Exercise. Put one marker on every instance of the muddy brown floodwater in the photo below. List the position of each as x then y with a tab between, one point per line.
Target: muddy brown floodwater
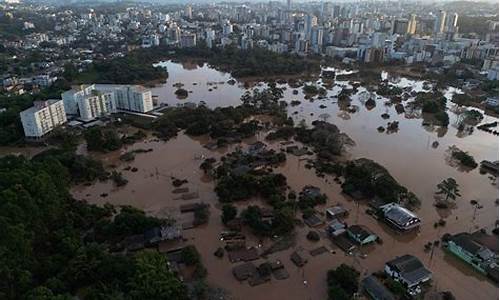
407	154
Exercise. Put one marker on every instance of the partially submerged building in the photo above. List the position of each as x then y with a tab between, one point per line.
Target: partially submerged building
361	234
336	228
400	217
409	271
336	212
470	249
156	235
375	289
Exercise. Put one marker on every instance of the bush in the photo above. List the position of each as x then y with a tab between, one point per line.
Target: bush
342	282
464	158
201	214
181	93
313	236
443	118
118	178
190	255
229	212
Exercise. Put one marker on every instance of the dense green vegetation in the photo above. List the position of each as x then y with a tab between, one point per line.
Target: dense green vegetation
219	122
326	139
386	89
103	140
464	158
191	257
285	133
254	62
137	66
449	188
53	246
434	104
311	89
310	196
229	212
222	123
237	181
79	168
373	180
131	69
12	26
342	282
243	175
280	223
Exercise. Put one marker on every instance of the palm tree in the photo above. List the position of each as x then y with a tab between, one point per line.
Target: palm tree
449	188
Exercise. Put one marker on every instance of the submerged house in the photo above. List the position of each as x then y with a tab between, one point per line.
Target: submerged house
400	217
336	228
469	248
361	234
336	212
409	271
156	235
375	289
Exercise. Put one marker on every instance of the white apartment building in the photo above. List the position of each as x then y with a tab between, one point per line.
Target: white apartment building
42	117
93	101
133	98
96	105
88	103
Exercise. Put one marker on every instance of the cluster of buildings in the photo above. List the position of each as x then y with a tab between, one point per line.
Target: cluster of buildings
367	32
478	249
84	103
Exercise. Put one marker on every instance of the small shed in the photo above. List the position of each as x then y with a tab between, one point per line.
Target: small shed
337	211
298	258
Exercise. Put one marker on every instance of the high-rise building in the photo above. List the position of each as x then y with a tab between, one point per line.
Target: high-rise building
452	23
302	46
400	26
210	37
42	118
96	105
93	101
188	11
336	11
227	28
440	22
412	26
289	4
133	98
309	22
174	33
317	38
188	40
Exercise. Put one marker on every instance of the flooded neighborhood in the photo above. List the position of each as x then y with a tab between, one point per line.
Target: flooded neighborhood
420	163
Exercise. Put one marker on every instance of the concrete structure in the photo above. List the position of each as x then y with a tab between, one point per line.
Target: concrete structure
188	40
42	118
440	22
133	98
89	102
